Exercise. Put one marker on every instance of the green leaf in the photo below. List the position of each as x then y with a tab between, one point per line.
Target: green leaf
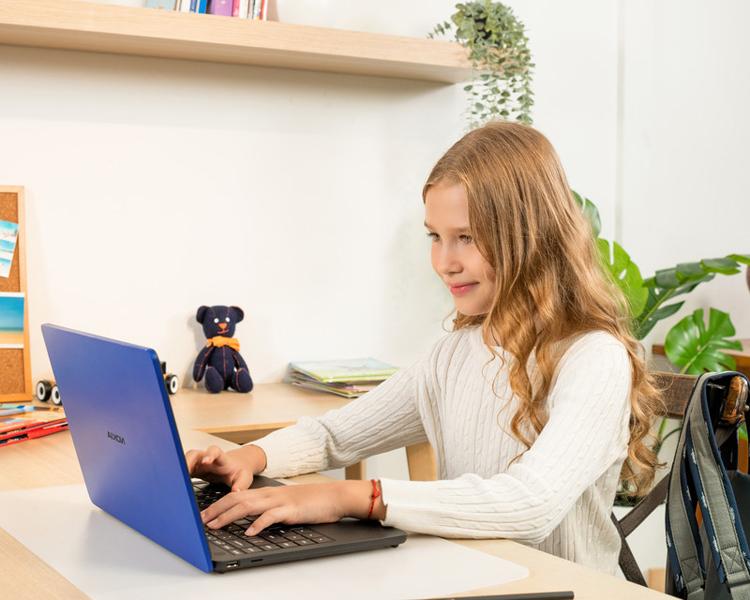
667	278
725	266
692	270
696	348
589	211
667	311
625	273
643	326
740	258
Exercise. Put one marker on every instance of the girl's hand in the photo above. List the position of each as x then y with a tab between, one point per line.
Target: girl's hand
291	505
216	466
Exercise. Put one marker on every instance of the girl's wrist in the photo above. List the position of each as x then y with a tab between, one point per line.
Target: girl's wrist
252	456
358	495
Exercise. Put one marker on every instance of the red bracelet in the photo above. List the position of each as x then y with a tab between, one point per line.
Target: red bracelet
375	495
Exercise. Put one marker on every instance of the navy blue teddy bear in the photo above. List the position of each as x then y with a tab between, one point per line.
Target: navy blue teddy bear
220	360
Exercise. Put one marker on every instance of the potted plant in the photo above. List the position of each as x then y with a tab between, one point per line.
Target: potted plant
498	50
691	345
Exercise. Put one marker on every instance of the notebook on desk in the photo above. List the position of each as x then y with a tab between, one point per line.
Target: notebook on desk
134	466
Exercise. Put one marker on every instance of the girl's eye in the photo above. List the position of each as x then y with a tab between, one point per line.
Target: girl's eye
216	320
432	236
227	319
466	239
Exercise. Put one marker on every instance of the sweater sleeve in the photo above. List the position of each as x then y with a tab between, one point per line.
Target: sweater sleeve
586	433
383	419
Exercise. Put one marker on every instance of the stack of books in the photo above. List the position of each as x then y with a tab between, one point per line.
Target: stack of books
347	378
18	424
245	9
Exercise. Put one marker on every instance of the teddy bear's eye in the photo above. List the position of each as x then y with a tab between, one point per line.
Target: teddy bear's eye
216	320
227	319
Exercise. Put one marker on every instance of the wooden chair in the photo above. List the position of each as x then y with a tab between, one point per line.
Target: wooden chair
677	391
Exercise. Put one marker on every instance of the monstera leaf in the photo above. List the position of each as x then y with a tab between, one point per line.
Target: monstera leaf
696	348
589	211
626	274
677	281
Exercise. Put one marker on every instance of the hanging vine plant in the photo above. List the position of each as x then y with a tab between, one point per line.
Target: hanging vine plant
498	50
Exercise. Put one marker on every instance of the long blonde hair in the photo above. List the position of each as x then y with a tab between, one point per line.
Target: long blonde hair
550	283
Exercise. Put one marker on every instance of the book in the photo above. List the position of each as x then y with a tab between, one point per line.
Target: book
346	390
29	425
32	432
344	371
221	7
163	4
244	8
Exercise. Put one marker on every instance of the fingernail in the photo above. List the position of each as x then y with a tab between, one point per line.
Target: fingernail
212	524
250	531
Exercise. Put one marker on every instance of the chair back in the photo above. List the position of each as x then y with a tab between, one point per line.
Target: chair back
677	390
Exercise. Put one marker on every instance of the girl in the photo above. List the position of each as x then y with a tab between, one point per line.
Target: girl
536	405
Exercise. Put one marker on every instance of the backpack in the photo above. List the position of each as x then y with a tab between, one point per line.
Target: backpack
708	497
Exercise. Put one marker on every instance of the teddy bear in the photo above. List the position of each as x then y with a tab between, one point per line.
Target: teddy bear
220	360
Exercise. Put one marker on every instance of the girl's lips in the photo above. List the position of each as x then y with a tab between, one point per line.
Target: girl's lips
460	290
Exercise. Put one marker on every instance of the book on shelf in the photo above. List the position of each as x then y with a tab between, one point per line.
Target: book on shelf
220	7
347	378
163	4
244	9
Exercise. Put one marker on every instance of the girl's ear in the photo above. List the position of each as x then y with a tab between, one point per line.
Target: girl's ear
238	313
201	314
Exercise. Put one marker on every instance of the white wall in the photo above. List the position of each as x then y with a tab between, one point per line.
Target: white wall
683	194
154	186
685	159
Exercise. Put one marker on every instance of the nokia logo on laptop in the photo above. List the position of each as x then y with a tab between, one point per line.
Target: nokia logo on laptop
118	438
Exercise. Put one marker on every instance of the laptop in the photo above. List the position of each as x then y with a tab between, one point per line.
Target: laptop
134	467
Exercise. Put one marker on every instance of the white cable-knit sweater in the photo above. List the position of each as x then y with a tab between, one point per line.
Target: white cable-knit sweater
556	497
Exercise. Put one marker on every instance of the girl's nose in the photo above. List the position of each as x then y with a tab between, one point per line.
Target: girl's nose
448	262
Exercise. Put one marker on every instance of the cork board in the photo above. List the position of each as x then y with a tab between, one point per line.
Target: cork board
15	365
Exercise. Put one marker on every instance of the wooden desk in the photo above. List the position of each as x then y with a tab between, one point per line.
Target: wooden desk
243	418
51	461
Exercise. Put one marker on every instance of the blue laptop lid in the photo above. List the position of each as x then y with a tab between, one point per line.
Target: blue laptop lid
125	437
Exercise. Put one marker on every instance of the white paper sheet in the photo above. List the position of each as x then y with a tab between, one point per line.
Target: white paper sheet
107	560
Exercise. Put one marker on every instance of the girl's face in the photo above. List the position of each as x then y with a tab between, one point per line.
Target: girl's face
455	257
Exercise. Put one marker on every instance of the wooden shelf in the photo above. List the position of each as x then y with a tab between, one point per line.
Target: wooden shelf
74	25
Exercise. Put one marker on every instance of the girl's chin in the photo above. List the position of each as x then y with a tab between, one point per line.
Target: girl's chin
470	310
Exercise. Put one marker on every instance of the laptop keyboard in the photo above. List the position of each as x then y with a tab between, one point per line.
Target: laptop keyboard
232	539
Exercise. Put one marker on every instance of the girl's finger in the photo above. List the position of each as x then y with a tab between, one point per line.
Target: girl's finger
248	498
237	511
212	453
268	518
191	458
242	480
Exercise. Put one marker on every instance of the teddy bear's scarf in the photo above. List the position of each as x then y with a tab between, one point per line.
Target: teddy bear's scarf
220	341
